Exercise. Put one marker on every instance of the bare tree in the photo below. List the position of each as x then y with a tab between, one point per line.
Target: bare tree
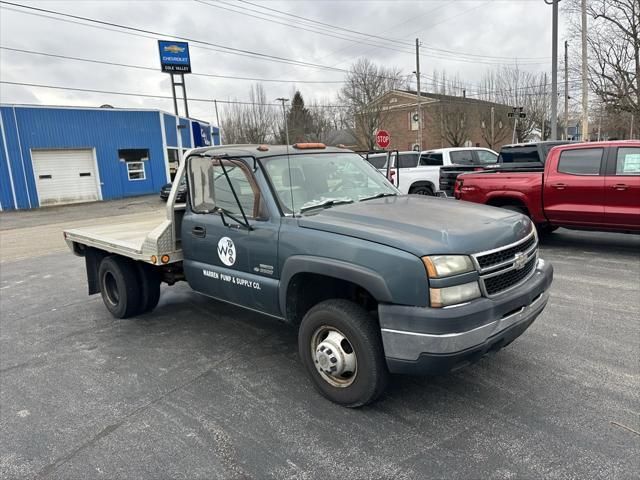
255	122
365	84
614	49
494	128
518	88
455	124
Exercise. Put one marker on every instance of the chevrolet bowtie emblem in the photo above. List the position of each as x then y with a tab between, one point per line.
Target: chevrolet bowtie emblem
519	261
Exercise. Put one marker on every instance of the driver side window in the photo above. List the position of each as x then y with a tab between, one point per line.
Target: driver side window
210	188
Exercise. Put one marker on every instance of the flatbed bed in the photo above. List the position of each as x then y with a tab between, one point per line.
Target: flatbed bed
151	240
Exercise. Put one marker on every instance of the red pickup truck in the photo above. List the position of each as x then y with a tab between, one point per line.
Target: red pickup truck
593	186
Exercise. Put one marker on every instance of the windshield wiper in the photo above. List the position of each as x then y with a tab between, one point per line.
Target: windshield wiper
326	204
379	195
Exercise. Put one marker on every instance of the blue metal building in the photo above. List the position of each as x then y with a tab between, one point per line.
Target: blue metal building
58	155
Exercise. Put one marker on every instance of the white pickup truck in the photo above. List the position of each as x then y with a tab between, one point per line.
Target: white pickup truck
419	172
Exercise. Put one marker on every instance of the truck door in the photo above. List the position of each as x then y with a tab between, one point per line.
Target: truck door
622	188
574	187
222	257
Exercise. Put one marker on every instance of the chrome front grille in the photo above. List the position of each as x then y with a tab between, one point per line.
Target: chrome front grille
507	267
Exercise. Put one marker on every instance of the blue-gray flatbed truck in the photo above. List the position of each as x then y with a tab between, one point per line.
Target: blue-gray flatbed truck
376	282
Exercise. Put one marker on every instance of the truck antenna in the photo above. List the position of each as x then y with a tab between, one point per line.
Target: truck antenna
286	132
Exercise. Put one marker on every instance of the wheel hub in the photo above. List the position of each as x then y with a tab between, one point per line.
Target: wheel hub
335	359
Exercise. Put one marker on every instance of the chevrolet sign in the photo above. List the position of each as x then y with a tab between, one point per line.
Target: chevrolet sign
174	56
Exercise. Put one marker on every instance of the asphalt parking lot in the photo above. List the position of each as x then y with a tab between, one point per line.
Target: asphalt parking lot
199	389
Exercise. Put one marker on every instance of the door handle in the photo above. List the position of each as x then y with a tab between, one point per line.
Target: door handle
199	231
559	186
619	186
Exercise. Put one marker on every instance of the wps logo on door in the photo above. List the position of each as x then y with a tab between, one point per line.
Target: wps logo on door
227	251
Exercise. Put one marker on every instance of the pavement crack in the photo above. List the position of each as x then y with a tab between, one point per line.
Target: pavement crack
625	427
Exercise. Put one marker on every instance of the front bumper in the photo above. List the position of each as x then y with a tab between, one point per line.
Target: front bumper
420	340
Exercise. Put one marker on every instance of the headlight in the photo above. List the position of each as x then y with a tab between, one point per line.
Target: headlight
446	265
443	297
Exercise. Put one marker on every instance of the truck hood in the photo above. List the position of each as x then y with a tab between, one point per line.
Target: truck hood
424	225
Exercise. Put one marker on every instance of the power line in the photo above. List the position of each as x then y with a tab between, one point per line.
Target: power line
449	99
148	95
386	39
241	51
438	53
225	49
298	27
468	86
155	69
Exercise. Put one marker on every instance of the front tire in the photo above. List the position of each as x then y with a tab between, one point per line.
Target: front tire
340	346
119	286
422	190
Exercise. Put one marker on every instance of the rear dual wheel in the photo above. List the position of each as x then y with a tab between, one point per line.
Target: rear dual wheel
128	288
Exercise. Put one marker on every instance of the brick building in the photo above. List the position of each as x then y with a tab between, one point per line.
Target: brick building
447	121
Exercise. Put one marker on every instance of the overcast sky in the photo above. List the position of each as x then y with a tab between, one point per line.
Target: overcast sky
473	33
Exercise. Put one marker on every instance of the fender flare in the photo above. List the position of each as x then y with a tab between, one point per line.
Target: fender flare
329	267
423	183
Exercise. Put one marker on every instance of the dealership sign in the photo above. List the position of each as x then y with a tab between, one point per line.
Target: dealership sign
201	135
174	56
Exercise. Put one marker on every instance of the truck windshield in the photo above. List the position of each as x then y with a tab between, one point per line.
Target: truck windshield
324	180
528	154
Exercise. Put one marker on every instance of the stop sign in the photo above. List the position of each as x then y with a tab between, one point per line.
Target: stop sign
383	139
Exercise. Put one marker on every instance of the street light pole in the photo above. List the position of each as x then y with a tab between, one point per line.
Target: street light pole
554	71
566	90
585	89
419	94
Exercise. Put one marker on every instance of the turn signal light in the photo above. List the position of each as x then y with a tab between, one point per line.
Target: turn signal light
154	259
164	259
308	146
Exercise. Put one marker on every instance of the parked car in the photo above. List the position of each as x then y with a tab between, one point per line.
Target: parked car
181	195
420	171
374	281
521	155
592	186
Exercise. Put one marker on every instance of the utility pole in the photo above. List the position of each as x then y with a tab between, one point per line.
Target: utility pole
493	138
544	100
554	72
418	94
566	90
585	90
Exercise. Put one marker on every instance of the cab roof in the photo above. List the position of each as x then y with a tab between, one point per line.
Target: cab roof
251	150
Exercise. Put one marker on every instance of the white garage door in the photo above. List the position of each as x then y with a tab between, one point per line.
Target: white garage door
65	176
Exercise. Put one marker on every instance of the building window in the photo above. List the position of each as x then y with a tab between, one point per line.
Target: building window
133	154
173	157
413	121
134	158
135	170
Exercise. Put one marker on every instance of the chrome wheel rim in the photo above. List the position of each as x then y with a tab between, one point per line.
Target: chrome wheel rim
334	356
